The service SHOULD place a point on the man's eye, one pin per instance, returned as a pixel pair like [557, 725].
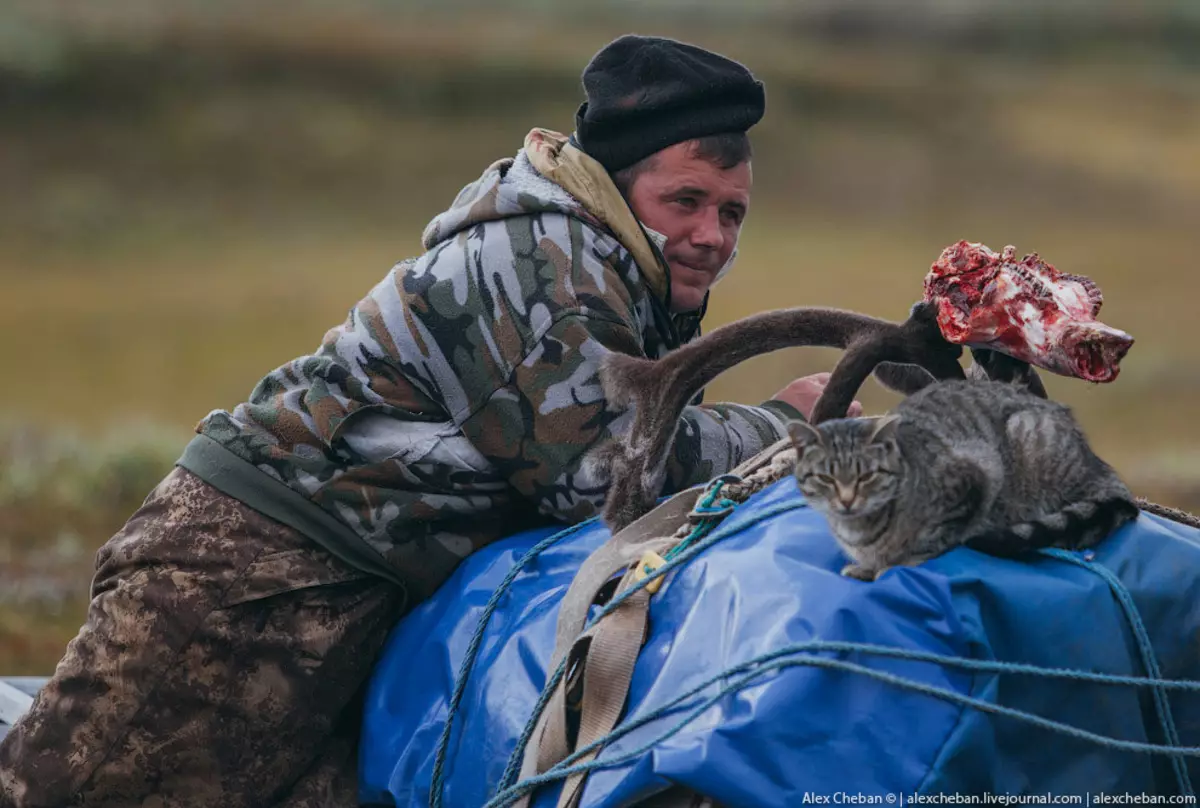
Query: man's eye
[733, 216]
[687, 201]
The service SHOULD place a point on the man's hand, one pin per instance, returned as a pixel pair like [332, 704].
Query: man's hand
[804, 392]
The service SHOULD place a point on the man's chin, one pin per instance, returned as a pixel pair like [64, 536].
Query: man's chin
[686, 299]
[688, 288]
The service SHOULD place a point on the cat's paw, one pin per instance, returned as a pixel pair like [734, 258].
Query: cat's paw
[858, 572]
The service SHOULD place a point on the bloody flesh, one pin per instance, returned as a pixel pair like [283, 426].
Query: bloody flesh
[1026, 309]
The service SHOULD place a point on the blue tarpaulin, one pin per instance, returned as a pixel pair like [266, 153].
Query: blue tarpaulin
[772, 580]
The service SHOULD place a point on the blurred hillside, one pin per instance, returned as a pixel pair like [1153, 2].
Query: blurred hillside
[193, 192]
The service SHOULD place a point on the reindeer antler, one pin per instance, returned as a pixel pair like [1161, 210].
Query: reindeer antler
[658, 391]
[916, 342]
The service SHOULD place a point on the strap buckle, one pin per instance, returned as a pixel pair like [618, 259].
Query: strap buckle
[647, 564]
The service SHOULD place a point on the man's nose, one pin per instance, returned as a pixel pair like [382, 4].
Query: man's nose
[707, 232]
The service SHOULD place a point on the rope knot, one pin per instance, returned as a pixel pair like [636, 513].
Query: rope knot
[709, 507]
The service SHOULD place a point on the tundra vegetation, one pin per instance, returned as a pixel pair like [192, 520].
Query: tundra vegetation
[193, 192]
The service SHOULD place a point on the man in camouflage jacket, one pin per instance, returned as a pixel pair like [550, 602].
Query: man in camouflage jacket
[237, 614]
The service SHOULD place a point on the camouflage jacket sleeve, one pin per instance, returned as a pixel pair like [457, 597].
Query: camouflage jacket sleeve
[713, 438]
[541, 425]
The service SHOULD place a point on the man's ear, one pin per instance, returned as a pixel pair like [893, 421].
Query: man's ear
[803, 434]
[884, 429]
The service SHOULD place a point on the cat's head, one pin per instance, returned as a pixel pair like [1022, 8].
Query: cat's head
[848, 466]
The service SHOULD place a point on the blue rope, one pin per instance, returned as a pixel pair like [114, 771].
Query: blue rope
[705, 509]
[770, 661]
[1149, 659]
[512, 769]
[688, 554]
[773, 662]
[464, 670]
[564, 769]
[708, 513]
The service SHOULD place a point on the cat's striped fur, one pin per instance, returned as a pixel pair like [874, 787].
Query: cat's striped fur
[978, 463]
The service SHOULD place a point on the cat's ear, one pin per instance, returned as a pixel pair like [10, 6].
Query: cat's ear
[803, 433]
[884, 429]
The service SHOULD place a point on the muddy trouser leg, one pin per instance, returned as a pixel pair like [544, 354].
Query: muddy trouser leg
[222, 663]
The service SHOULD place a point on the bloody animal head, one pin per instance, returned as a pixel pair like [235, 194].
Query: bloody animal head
[1026, 309]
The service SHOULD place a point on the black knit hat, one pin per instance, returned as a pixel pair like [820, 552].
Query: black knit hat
[647, 93]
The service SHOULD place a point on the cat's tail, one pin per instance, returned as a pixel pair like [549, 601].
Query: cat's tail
[1079, 525]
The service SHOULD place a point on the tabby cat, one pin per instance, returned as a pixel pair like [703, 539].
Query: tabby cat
[978, 463]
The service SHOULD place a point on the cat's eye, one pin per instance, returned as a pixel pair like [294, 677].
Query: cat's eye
[866, 478]
[824, 479]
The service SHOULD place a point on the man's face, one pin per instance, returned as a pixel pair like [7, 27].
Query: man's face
[700, 208]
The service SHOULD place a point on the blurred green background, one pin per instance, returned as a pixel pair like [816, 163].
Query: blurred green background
[191, 193]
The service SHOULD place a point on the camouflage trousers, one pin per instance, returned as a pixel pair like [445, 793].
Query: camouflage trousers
[222, 663]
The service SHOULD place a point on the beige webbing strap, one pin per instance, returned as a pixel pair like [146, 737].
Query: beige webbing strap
[602, 660]
[548, 744]
[606, 680]
[617, 554]
[605, 655]
[626, 547]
